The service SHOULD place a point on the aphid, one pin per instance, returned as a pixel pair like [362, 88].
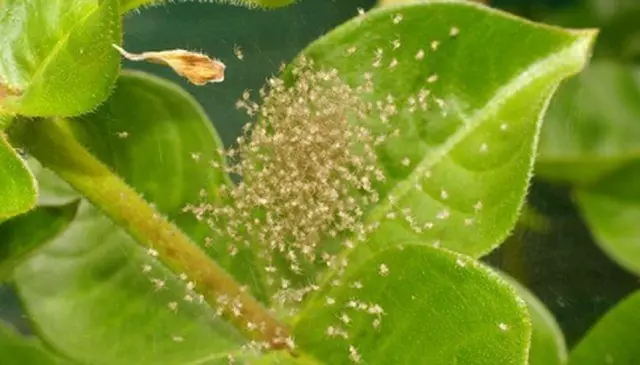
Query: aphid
[354, 355]
[173, 306]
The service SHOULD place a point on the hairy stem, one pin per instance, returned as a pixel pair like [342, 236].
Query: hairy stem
[59, 151]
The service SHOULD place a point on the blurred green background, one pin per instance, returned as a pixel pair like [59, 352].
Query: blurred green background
[552, 252]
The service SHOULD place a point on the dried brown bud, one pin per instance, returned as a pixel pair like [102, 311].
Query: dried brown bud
[198, 68]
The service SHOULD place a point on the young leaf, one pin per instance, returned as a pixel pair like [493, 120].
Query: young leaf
[611, 208]
[614, 339]
[592, 125]
[547, 341]
[18, 350]
[158, 139]
[463, 117]
[57, 58]
[24, 234]
[126, 5]
[416, 305]
[18, 191]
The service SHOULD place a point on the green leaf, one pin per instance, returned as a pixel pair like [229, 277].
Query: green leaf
[24, 234]
[18, 191]
[89, 297]
[592, 125]
[438, 308]
[18, 350]
[56, 55]
[614, 339]
[611, 208]
[547, 341]
[126, 5]
[93, 279]
[462, 167]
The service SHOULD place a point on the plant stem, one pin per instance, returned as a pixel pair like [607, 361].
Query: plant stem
[59, 151]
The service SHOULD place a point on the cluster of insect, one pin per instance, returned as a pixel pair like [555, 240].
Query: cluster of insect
[310, 178]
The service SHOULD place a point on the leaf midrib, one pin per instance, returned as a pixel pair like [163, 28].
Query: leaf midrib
[539, 69]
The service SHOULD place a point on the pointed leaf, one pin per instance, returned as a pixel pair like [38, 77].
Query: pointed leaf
[23, 235]
[18, 191]
[56, 55]
[437, 308]
[467, 116]
[592, 126]
[611, 208]
[613, 339]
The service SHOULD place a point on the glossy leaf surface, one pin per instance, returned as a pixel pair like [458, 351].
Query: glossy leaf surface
[435, 307]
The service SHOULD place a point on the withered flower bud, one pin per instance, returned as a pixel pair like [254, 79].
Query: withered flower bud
[196, 67]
